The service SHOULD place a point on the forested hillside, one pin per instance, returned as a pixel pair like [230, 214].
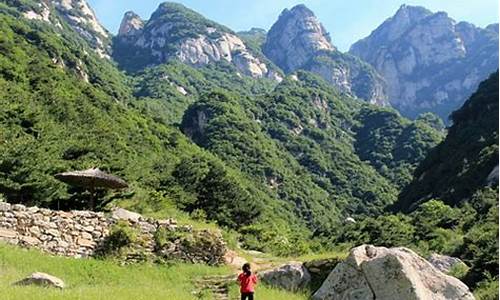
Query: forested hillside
[451, 205]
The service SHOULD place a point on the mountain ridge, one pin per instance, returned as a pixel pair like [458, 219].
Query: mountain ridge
[430, 62]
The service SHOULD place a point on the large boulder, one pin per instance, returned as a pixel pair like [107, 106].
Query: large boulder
[42, 279]
[445, 263]
[291, 277]
[391, 274]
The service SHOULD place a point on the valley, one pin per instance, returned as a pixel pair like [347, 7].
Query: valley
[291, 150]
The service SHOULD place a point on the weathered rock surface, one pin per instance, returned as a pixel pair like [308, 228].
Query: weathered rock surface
[321, 268]
[131, 24]
[123, 214]
[176, 32]
[390, 274]
[42, 279]
[445, 263]
[299, 41]
[291, 277]
[295, 38]
[80, 16]
[430, 62]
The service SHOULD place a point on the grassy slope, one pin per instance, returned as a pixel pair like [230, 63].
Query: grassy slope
[96, 279]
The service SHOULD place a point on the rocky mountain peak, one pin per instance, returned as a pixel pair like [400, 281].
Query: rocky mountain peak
[131, 24]
[492, 27]
[430, 62]
[177, 32]
[82, 18]
[295, 38]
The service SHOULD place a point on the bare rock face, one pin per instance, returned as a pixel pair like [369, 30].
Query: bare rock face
[295, 38]
[299, 41]
[131, 24]
[42, 279]
[390, 274]
[80, 16]
[291, 277]
[430, 62]
[445, 263]
[176, 32]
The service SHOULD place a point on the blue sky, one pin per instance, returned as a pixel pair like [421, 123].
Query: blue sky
[346, 20]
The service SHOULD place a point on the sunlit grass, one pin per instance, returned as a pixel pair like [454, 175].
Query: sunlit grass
[107, 280]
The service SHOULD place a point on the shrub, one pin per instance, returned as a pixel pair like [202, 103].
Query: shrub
[121, 235]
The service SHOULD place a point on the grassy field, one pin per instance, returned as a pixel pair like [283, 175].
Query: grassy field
[98, 279]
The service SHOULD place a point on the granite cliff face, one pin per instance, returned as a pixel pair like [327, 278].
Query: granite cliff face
[295, 38]
[176, 32]
[131, 24]
[299, 41]
[429, 61]
[79, 15]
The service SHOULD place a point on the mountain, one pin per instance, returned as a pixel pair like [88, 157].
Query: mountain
[429, 61]
[467, 160]
[255, 36]
[176, 32]
[299, 41]
[75, 13]
[299, 140]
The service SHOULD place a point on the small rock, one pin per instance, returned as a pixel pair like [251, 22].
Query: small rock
[6, 233]
[350, 220]
[29, 241]
[18, 207]
[53, 232]
[42, 279]
[86, 235]
[85, 242]
[123, 214]
[4, 206]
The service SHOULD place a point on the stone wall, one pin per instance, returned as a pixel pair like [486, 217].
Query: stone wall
[82, 233]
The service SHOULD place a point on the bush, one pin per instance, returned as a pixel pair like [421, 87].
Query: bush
[487, 290]
[121, 236]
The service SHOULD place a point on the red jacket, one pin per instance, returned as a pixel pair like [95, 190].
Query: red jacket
[247, 283]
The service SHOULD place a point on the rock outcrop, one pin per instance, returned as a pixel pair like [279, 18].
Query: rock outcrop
[80, 16]
[295, 38]
[291, 277]
[445, 263]
[176, 32]
[42, 279]
[131, 24]
[430, 62]
[299, 41]
[390, 274]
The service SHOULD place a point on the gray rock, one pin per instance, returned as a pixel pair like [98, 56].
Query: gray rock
[123, 214]
[206, 44]
[291, 277]
[299, 41]
[445, 263]
[42, 279]
[131, 24]
[390, 274]
[429, 61]
[295, 38]
[4, 206]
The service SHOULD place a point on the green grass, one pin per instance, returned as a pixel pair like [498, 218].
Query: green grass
[100, 279]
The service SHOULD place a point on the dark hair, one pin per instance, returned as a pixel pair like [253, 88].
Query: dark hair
[246, 269]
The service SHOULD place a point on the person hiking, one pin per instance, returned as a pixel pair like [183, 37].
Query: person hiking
[247, 282]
